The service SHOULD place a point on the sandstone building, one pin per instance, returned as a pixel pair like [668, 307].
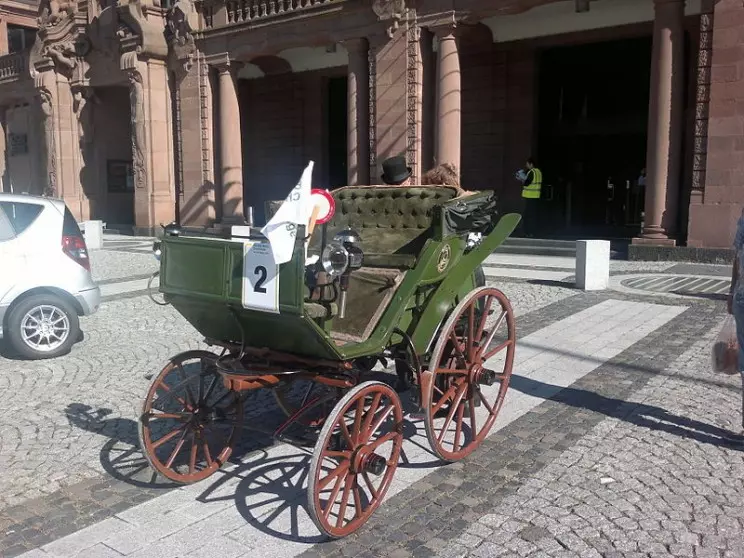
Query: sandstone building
[136, 111]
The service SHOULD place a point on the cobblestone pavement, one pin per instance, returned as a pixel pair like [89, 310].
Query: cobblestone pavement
[633, 457]
[117, 264]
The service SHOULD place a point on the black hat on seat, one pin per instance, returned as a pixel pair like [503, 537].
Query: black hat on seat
[395, 170]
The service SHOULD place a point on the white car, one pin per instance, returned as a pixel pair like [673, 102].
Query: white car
[45, 279]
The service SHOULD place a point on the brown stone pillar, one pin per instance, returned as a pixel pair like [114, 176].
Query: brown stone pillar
[663, 156]
[358, 112]
[447, 144]
[231, 151]
[3, 36]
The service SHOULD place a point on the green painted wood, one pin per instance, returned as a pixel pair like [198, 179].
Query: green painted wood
[202, 278]
[458, 282]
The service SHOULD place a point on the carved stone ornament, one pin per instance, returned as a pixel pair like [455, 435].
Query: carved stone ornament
[137, 33]
[139, 137]
[83, 100]
[63, 55]
[50, 160]
[62, 39]
[181, 21]
[56, 12]
[394, 10]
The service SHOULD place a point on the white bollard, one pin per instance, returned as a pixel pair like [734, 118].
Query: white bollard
[592, 264]
[93, 233]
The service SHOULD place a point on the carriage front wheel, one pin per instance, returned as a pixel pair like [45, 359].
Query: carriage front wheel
[355, 458]
[190, 421]
[468, 373]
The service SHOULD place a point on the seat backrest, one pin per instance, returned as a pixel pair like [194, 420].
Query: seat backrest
[390, 219]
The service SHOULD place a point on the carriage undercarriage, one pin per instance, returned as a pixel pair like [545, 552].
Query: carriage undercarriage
[194, 410]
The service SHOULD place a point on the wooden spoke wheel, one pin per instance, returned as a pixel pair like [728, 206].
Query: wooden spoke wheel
[355, 458]
[190, 420]
[469, 373]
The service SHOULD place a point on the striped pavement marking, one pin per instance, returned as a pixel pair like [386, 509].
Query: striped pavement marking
[671, 285]
[269, 486]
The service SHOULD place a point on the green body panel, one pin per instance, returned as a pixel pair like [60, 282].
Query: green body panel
[453, 287]
[202, 278]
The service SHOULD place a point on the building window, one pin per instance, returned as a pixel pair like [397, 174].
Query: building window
[120, 176]
[20, 38]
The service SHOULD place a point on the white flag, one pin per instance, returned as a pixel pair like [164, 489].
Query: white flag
[281, 230]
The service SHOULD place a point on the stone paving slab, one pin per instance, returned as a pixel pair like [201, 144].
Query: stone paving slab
[271, 500]
[540, 486]
[112, 264]
[74, 451]
[659, 479]
[65, 503]
[700, 269]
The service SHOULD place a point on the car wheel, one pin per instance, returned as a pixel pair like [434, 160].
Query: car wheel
[43, 326]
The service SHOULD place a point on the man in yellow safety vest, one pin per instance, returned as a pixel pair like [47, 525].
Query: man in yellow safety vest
[531, 187]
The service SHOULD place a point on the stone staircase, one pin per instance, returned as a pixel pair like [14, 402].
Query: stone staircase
[555, 248]
[538, 247]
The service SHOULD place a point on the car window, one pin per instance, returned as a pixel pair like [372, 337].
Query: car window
[6, 229]
[21, 215]
[69, 225]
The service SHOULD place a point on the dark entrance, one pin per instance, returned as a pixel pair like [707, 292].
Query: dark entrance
[593, 113]
[337, 116]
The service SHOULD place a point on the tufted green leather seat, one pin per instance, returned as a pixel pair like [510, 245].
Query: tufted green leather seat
[393, 221]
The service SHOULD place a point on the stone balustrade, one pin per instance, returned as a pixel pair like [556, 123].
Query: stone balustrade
[234, 12]
[13, 66]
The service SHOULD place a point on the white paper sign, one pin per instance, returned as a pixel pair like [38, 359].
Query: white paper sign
[281, 230]
[260, 278]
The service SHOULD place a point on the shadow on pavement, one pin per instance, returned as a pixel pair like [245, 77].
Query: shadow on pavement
[570, 285]
[633, 366]
[640, 414]
[716, 297]
[120, 456]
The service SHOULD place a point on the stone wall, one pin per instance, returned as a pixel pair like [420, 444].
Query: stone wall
[283, 125]
[498, 98]
[111, 117]
[388, 87]
[715, 209]
[24, 168]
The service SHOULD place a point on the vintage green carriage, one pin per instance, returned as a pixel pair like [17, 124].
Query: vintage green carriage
[395, 281]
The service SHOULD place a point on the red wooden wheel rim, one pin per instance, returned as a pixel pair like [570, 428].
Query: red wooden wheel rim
[355, 458]
[467, 351]
[201, 424]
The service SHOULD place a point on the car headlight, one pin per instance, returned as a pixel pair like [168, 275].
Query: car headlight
[156, 251]
[335, 259]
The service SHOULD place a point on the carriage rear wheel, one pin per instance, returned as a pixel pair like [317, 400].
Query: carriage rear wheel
[468, 373]
[190, 420]
[355, 458]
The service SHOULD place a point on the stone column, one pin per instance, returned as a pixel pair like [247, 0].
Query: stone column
[4, 172]
[137, 76]
[447, 144]
[46, 89]
[358, 112]
[231, 151]
[3, 36]
[665, 124]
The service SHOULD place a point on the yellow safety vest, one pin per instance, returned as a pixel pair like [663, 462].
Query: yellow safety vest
[532, 190]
